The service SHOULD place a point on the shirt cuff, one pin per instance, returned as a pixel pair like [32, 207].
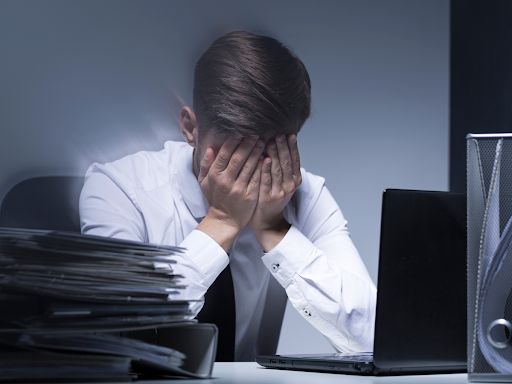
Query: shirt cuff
[288, 256]
[207, 255]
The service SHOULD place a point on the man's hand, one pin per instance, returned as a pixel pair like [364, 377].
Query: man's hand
[231, 184]
[280, 177]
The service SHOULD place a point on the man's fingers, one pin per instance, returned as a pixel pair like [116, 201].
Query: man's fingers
[275, 166]
[226, 151]
[240, 156]
[266, 177]
[205, 164]
[251, 163]
[285, 159]
[256, 176]
[294, 153]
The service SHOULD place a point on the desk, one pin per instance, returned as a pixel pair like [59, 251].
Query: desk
[252, 373]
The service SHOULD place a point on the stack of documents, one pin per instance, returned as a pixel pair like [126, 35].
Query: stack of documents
[60, 292]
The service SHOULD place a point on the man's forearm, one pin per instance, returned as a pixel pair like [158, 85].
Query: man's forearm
[222, 232]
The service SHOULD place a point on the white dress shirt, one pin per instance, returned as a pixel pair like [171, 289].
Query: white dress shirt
[155, 197]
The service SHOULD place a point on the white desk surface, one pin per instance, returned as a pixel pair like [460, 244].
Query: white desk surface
[252, 373]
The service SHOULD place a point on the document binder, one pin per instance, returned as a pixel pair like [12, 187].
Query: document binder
[80, 308]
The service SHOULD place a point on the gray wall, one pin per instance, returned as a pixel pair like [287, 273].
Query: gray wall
[87, 81]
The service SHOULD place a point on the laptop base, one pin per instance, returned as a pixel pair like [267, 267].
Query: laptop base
[318, 363]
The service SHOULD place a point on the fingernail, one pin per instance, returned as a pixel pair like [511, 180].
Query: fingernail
[273, 146]
[254, 138]
[292, 138]
[280, 138]
[206, 155]
[260, 143]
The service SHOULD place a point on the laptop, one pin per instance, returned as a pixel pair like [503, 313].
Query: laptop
[420, 324]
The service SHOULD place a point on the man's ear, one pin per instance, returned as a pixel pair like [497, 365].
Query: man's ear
[189, 128]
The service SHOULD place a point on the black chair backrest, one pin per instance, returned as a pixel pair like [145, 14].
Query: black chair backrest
[49, 203]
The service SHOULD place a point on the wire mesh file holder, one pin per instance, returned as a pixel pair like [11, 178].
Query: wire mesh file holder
[489, 231]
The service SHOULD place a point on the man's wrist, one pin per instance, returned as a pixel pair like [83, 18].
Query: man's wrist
[222, 231]
[270, 236]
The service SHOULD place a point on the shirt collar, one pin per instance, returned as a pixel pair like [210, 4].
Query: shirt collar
[189, 186]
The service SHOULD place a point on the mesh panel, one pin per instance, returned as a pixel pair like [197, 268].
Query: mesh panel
[489, 226]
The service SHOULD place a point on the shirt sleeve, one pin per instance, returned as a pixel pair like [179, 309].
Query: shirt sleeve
[325, 278]
[106, 210]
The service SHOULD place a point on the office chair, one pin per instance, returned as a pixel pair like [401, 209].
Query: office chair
[51, 203]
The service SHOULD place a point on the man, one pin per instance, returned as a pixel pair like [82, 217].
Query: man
[235, 193]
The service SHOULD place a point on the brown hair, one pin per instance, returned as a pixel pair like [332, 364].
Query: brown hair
[251, 85]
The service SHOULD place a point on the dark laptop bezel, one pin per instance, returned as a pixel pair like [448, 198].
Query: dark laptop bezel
[420, 356]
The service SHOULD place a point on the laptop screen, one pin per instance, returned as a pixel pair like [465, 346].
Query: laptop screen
[421, 306]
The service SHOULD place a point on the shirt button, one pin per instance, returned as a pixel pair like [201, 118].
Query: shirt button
[306, 312]
[275, 267]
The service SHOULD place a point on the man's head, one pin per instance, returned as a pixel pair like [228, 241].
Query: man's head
[246, 84]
